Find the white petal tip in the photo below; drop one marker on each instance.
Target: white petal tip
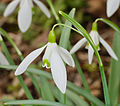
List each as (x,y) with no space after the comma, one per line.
(115,58)
(60,12)
(17,73)
(49,16)
(23,30)
(63,91)
(109,14)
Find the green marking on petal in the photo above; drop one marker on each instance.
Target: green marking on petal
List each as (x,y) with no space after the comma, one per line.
(52,37)
(33,10)
(46,63)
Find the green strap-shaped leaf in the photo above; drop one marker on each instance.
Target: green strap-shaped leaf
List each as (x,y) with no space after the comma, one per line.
(64,39)
(71,86)
(76,98)
(65,35)
(114,78)
(34,102)
(45,89)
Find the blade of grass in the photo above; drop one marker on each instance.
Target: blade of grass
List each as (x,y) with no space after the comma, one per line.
(85,94)
(4,33)
(71,86)
(64,39)
(89,39)
(76,98)
(65,35)
(33,102)
(55,92)
(28,94)
(80,70)
(114,78)
(45,89)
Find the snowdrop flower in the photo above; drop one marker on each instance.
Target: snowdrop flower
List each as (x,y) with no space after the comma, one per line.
(25,12)
(53,58)
(3,59)
(112,6)
(96,39)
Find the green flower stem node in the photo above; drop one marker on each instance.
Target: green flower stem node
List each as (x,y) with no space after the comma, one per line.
(94,26)
(52,37)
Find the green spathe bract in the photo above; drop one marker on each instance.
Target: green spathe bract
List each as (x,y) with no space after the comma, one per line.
(51,37)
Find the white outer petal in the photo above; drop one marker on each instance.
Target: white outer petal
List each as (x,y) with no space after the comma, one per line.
(78,45)
(25,16)
(66,56)
(43,8)
(3,59)
(28,60)
(90,54)
(58,71)
(112,6)
(108,48)
(11,7)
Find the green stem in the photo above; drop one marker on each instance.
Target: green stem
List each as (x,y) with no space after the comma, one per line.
(53,11)
(21,57)
(28,94)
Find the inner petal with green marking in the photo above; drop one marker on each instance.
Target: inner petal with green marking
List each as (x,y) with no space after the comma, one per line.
(46,63)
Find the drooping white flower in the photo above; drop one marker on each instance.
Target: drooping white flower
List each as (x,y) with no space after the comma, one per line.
(96,39)
(112,6)
(53,58)
(3,59)
(25,12)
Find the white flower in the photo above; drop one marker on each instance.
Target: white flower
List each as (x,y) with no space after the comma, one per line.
(96,39)
(3,60)
(112,6)
(53,58)
(25,12)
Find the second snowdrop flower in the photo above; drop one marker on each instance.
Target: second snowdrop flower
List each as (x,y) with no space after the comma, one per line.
(96,39)
(112,6)
(25,12)
(53,58)
(3,59)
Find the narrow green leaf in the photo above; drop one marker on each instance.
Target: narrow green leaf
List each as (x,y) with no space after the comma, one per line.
(71,86)
(45,89)
(33,102)
(31,70)
(65,35)
(80,70)
(114,78)
(89,39)
(4,33)
(64,39)
(85,94)
(76,98)
(55,93)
